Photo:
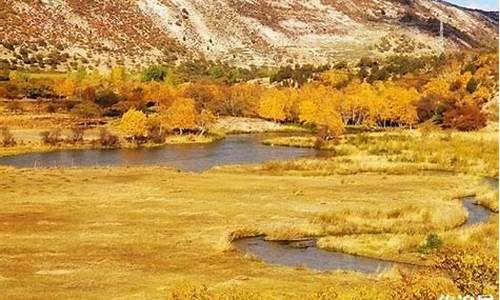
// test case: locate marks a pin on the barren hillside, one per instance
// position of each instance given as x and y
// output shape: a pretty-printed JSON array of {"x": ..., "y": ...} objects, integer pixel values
[{"x": 102, "y": 33}]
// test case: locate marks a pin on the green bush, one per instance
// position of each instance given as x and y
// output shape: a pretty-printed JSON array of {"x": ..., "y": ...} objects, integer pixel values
[
  {"x": 432, "y": 243},
  {"x": 154, "y": 73}
]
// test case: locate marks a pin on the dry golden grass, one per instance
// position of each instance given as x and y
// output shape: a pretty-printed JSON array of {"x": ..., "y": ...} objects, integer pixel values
[
  {"x": 400, "y": 247},
  {"x": 298, "y": 141},
  {"x": 487, "y": 197},
  {"x": 37, "y": 121},
  {"x": 394, "y": 152},
  {"x": 137, "y": 233}
]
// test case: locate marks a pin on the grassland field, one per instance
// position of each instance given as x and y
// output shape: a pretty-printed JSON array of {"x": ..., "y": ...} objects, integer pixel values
[
  {"x": 136, "y": 233},
  {"x": 160, "y": 233}
]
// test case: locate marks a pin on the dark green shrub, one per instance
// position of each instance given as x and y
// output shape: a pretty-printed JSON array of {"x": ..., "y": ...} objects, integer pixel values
[
  {"x": 106, "y": 98},
  {"x": 433, "y": 242},
  {"x": 154, "y": 73}
]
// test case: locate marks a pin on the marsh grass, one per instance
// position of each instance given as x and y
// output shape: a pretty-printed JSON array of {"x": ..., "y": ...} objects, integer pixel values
[
  {"x": 487, "y": 197},
  {"x": 402, "y": 219},
  {"x": 398, "y": 152}
]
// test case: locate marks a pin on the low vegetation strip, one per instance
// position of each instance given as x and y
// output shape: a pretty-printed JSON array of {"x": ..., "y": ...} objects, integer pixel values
[{"x": 400, "y": 151}]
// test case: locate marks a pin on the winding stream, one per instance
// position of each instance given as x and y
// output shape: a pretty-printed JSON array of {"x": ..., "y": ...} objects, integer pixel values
[
  {"x": 235, "y": 149},
  {"x": 306, "y": 254}
]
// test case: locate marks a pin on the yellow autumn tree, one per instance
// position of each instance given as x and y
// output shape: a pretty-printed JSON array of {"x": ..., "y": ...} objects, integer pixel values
[
  {"x": 319, "y": 106},
  {"x": 181, "y": 115},
  {"x": 273, "y": 105},
  {"x": 357, "y": 103},
  {"x": 330, "y": 119},
  {"x": 205, "y": 119},
  {"x": 65, "y": 88},
  {"x": 134, "y": 124},
  {"x": 307, "y": 111},
  {"x": 335, "y": 78},
  {"x": 118, "y": 74},
  {"x": 241, "y": 99}
]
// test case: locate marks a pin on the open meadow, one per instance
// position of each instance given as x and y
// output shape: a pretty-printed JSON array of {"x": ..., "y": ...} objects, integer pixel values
[{"x": 145, "y": 233}]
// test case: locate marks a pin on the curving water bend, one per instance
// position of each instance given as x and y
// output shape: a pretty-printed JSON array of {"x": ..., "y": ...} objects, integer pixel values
[
  {"x": 306, "y": 254},
  {"x": 288, "y": 254}
]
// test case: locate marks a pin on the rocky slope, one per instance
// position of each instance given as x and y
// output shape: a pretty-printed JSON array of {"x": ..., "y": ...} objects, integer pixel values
[{"x": 66, "y": 33}]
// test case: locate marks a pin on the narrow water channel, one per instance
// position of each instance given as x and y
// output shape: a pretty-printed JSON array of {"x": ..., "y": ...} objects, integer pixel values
[{"x": 306, "y": 254}]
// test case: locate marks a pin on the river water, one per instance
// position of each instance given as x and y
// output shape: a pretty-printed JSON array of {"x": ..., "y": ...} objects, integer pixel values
[{"x": 235, "y": 149}]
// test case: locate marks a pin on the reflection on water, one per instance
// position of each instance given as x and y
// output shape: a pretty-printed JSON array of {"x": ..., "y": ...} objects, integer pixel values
[
  {"x": 477, "y": 214},
  {"x": 309, "y": 256},
  {"x": 236, "y": 149},
  {"x": 284, "y": 253}
]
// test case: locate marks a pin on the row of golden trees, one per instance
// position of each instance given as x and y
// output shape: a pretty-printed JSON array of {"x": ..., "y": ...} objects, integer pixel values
[{"x": 333, "y": 99}]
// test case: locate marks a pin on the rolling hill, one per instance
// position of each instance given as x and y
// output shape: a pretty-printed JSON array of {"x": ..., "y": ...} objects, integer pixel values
[{"x": 66, "y": 33}]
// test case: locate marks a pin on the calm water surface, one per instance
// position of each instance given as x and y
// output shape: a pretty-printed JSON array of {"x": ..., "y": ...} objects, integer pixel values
[
  {"x": 285, "y": 253},
  {"x": 309, "y": 256},
  {"x": 235, "y": 149}
]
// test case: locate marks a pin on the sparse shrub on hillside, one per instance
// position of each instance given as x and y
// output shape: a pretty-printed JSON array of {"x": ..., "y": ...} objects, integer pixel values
[
  {"x": 77, "y": 135},
  {"x": 87, "y": 110},
  {"x": 6, "y": 137},
  {"x": 108, "y": 140},
  {"x": 154, "y": 73},
  {"x": 51, "y": 137}
]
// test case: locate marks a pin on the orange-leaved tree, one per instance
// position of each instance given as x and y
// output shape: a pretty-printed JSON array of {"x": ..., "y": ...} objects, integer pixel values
[{"x": 160, "y": 93}]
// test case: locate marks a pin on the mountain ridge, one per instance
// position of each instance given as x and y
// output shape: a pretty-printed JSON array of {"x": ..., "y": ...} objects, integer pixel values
[{"x": 63, "y": 34}]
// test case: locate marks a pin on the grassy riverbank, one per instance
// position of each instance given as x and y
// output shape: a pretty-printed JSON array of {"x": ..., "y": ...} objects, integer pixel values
[
  {"x": 31, "y": 142},
  {"x": 397, "y": 151},
  {"x": 26, "y": 130},
  {"x": 145, "y": 232}
]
